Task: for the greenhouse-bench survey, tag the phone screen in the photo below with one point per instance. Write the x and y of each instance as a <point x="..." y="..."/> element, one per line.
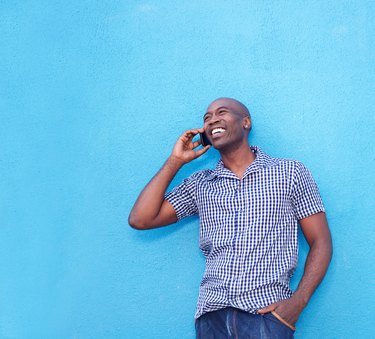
<point x="204" y="139"/>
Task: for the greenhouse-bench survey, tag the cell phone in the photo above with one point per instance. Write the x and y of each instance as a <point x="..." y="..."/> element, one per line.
<point x="204" y="139"/>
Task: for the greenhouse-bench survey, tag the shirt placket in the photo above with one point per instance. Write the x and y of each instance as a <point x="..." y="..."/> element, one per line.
<point x="236" y="246"/>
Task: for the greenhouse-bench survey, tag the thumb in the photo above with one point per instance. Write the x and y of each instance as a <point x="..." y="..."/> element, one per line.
<point x="267" y="309"/>
<point x="202" y="151"/>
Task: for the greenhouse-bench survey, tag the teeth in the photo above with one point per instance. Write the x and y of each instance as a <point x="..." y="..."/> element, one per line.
<point x="217" y="130"/>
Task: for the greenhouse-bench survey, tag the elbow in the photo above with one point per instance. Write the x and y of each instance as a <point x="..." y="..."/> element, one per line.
<point x="137" y="223"/>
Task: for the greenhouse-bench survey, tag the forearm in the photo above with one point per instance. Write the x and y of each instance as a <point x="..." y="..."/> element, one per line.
<point x="316" y="266"/>
<point x="149" y="203"/>
<point x="151" y="210"/>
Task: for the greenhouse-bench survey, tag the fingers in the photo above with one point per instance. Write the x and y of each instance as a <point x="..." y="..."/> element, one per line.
<point x="192" y="132"/>
<point x="267" y="309"/>
<point x="199" y="130"/>
<point x="185" y="145"/>
<point x="188" y="136"/>
<point x="196" y="143"/>
<point x="202" y="151"/>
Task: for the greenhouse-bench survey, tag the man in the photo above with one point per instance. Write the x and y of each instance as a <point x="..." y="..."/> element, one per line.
<point x="249" y="207"/>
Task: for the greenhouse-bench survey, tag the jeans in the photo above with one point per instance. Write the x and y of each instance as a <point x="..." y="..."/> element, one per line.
<point x="234" y="323"/>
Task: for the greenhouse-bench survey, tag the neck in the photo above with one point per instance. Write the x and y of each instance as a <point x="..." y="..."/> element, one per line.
<point x="238" y="160"/>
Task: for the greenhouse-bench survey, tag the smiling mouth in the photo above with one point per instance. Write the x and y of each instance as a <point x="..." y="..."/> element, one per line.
<point x="217" y="131"/>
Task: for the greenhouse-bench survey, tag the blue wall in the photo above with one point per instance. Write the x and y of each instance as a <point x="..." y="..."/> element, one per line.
<point x="93" y="95"/>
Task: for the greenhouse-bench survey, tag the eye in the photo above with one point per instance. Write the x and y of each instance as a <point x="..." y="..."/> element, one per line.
<point x="222" y="112"/>
<point x="206" y="117"/>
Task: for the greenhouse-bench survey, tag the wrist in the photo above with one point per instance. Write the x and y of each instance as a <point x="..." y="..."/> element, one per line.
<point x="174" y="163"/>
<point x="300" y="299"/>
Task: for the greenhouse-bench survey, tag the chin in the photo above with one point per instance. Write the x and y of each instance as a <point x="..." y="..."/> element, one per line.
<point x="217" y="144"/>
<point x="221" y="146"/>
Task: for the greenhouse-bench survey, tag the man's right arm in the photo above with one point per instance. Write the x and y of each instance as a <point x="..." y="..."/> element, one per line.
<point x="151" y="209"/>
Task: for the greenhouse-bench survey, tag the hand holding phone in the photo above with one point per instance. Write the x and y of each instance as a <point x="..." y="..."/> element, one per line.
<point x="186" y="150"/>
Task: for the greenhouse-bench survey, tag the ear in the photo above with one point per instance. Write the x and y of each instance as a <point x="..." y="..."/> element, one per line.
<point x="247" y="123"/>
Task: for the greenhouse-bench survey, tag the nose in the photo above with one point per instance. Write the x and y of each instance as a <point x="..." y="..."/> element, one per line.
<point x="214" y="119"/>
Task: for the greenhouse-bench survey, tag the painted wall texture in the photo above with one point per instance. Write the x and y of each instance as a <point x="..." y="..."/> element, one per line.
<point x="93" y="95"/>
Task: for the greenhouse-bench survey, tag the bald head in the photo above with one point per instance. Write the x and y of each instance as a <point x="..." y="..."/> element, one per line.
<point x="235" y="105"/>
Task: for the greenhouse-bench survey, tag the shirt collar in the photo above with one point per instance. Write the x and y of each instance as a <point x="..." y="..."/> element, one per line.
<point x="261" y="161"/>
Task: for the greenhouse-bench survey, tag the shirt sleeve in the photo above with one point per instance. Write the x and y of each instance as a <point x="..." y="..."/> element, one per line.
<point x="183" y="198"/>
<point x="306" y="197"/>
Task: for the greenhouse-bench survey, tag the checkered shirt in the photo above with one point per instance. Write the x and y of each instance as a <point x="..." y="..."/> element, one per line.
<point x="248" y="229"/>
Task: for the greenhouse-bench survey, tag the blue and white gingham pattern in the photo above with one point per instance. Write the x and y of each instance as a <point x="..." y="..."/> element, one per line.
<point x="248" y="229"/>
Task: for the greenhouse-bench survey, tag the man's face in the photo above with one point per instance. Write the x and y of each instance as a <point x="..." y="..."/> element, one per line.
<point x="224" y="124"/>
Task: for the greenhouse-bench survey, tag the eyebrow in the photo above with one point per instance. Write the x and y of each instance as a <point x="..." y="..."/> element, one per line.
<point x="221" y="107"/>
